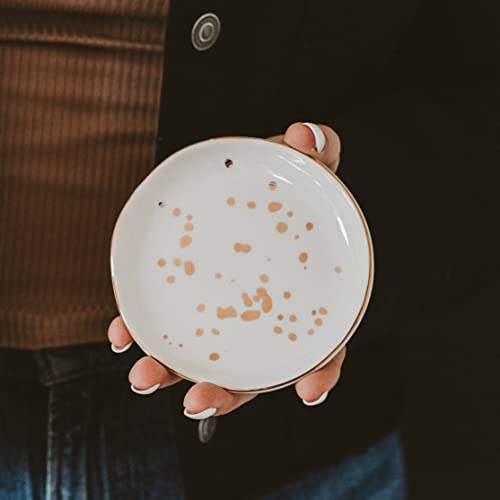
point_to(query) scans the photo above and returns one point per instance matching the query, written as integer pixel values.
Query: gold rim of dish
(361, 310)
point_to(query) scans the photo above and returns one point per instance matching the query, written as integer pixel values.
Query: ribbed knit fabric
(80, 86)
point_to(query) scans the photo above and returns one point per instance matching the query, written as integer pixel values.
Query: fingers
(148, 375)
(204, 400)
(119, 336)
(313, 389)
(318, 141)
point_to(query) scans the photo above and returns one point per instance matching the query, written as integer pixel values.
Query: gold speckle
(293, 318)
(218, 276)
(256, 298)
(338, 269)
(181, 345)
(264, 278)
(161, 262)
(177, 262)
(251, 204)
(247, 301)
(188, 226)
(292, 337)
(176, 212)
(215, 331)
(272, 185)
(189, 217)
(214, 356)
(281, 227)
(227, 312)
(309, 226)
(313, 312)
(185, 241)
(318, 321)
(200, 308)
(242, 247)
(231, 201)
(188, 267)
(274, 206)
(199, 332)
(280, 317)
(161, 204)
(289, 213)
(277, 329)
(323, 310)
(165, 336)
(287, 295)
(250, 315)
(310, 332)
(303, 257)
(170, 279)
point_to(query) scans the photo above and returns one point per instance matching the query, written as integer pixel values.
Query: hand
(204, 399)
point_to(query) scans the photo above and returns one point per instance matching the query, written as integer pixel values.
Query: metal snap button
(205, 31)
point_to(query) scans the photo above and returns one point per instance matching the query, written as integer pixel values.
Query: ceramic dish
(241, 262)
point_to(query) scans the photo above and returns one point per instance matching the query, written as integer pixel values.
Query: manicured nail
(119, 350)
(200, 416)
(145, 392)
(318, 401)
(319, 136)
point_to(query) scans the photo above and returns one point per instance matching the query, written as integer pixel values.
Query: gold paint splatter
(177, 262)
(310, 332)
(181, 345)
(170, 279)
(318, 321)
(274, 206)
(281, 227)
(293, 318)
(313, 312)
(199, 332)
(247, 301)
(185, 241)
(303, 257)
(189, 217)
(338, 269)
(228, 163)
(272, 185)
(296, 237)
(289, 213)
(292, 337)
(251, 204)
(250, 315)
(200, 308)
(280, 317)
(161, 204)
(231, 201)
(287, 295)
(188, 267)
(323, 310)
(278, 329)
(264, 278)
(161, 262)
(309, 226)
(176, 212)
(228, 312)
(267, 304)
(215, 331)
(214, 356)
(188, 226)
(218, 276)
(165, 336)
(242, 247)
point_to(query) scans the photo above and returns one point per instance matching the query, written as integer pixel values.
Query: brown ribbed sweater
(80, 86)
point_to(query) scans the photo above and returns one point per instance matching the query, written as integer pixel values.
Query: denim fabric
(71, 429)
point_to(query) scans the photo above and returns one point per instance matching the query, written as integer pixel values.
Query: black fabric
(410, 87)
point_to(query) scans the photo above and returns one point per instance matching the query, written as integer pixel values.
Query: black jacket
(405, 85)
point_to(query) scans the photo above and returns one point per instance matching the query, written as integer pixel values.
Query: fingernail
(318, 401)
(119, 350)
(200, 416)
(319, 136)
(145, 392)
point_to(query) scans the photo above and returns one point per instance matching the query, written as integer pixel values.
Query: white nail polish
(119, 350)
(319, 136)
(145, 392)
(200, 416)
(318, 401)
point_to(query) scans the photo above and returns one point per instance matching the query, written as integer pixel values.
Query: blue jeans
(70, 428)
